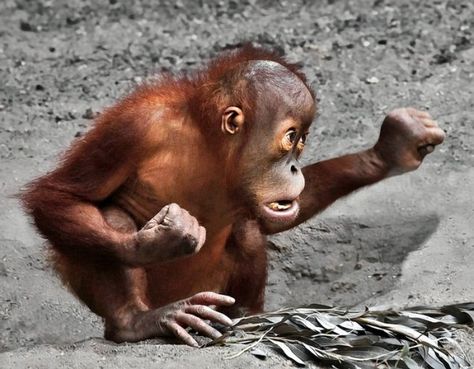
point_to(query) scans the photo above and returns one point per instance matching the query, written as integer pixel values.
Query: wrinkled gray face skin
(284, 111)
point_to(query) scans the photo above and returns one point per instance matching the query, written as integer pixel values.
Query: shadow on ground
(343, 261)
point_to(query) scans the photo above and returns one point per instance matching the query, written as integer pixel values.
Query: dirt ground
(406, 241)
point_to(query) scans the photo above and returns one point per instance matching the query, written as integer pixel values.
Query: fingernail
(231, 300)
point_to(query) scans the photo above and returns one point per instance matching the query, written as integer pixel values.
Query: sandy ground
(408, 240)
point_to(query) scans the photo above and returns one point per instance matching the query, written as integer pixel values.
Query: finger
(198, 235)
(189, 227)
(174, 211)
(198, 325)
(150, 224)
(207, 313)
(158, 218)
(175, 220)
(211, 298)
(202, 238)
(194, 230)
(420, 114)
(184, 215)
(436, 136)
(428, 122)
(182, 334)
(195, 227)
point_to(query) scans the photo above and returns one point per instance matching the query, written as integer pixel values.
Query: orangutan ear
(232, 120)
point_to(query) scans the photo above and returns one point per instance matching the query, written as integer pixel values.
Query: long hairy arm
(65, 203)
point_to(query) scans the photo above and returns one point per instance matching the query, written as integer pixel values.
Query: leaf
(371, 327)
(413, 338)
(275, 319)
(410, 363)
(421, 317)
(364, 352)
(364, 340)
(285, 329)
(448, 362)
(429, 356)
(350, 325)
(354, 315)
(315, 352)
(320, 307)
(462, 315)
(287, 351)
(407, 331)
(307, 324)
(470, 313)
(259, 353)
(327, 341)
(392, 341)
(412, 323)
(325, 323)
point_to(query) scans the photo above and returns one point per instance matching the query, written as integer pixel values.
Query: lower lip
(282, 216)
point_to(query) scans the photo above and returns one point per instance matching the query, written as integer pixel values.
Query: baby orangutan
(157, 218)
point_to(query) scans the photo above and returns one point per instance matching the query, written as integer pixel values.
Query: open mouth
(280, 205)
(282, 210)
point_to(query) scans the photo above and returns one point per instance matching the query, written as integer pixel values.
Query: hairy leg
(109, 288)
(248, 248)
(117, 292)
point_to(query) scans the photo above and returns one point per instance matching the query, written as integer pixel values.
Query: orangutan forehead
(278, 86)
(268, 72)
(269, 76)
(256, 68)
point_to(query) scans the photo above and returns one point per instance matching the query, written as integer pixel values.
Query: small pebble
(27, 27)
(372, 80)
(89, 114)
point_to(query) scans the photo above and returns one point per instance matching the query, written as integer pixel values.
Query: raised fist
(406, 137)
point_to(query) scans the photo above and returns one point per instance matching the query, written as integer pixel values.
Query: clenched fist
(406, 137)
(170, 234)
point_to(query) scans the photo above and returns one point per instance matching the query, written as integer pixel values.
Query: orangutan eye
(291, 136)
(290, 139)
(303, 138)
